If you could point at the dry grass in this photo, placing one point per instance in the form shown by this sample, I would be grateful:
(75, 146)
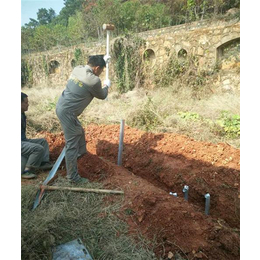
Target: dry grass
(138, 107)
(64, 216)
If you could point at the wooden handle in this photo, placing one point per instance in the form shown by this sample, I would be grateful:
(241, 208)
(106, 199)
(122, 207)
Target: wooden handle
(45, 187)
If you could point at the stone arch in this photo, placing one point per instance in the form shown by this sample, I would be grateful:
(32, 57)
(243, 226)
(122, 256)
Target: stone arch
(149, 55)
(228, 54)
(224, 44)
(54, 67)
(182, 54)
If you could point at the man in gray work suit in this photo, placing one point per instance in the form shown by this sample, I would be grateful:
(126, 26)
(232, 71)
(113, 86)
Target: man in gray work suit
(34, 152)
(83, 85)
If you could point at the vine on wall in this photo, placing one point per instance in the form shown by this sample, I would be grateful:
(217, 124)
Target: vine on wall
(79, 57)
(128, 62)
(26, 74)
(45, 66)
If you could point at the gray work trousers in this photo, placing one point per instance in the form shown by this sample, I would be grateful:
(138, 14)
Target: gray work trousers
(75, 142)
(34, 152)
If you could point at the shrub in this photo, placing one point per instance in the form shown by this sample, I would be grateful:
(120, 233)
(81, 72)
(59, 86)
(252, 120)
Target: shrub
(128, 62)
(146, 118)
(230, 124)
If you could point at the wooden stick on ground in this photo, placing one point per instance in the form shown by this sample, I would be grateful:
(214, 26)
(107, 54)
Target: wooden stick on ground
(45, 187)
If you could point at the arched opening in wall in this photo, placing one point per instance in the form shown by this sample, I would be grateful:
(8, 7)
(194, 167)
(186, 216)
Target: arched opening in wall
(149, 56)
(73, 63)
(54, 67)
(228, 53)
(182, 54)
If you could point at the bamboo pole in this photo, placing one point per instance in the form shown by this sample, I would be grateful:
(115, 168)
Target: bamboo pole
(46, 187)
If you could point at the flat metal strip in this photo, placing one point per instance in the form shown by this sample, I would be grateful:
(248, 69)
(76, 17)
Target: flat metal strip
(52, 173)
(74, 250)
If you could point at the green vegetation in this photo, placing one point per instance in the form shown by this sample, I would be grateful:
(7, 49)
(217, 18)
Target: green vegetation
(230, 124)
(80, 21)
(189, 115)
(145, 118)
(65, 216)
(45, 66)
(26, 73)
(128, 62)
(79, 57)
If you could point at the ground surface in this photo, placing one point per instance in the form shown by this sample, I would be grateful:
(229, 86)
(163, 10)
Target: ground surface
(155, 164)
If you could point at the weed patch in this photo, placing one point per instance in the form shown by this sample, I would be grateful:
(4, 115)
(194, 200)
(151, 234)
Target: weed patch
(230, 124)
(147, 118)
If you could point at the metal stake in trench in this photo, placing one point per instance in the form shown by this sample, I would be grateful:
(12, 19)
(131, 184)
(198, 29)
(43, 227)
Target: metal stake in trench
(207, 203)
(52, 173)
(186, 191)
(121, 142)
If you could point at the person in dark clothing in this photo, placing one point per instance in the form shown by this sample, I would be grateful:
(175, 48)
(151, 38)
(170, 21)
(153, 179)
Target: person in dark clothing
(35, 152)
(83, 85)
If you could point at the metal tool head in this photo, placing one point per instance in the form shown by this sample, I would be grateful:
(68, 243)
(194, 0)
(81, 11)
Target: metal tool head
(108, 27)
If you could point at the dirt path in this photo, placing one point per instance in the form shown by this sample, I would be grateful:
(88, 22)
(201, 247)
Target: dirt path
(154, 165)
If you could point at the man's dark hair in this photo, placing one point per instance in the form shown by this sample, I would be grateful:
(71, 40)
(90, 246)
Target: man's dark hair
(23, 96)
(97, 60)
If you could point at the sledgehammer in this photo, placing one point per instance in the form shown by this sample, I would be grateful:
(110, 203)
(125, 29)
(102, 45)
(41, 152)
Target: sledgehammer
(108, 28)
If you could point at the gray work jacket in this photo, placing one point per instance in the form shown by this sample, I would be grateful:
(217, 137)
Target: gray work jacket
(82, 86)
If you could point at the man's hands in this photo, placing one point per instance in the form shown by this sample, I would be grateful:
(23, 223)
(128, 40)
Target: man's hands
(107, 83)
(107, 58)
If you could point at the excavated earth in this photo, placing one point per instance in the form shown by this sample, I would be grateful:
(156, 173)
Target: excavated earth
(154, 165)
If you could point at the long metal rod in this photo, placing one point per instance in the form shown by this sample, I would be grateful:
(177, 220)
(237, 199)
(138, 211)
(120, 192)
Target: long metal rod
(121, 142)
(107, 64)
(52, 173)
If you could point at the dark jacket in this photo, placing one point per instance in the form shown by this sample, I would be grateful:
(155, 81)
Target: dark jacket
(23, 127)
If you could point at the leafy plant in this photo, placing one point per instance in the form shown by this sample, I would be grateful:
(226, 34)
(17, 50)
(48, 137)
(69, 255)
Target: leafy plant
(78, 57)
(189, 115)
(165, 76)
(51, 105)
(146, 118)
(230, 124)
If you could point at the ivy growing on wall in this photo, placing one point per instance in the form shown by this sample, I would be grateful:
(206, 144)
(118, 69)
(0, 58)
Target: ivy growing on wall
(128, 69)
(26, 74)
(45, 66)
(79, 57)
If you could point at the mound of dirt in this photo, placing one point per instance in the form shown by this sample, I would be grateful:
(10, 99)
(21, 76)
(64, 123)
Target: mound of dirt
(155, 164)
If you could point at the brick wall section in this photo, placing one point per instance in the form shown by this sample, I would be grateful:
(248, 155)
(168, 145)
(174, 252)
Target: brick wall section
(200, 39)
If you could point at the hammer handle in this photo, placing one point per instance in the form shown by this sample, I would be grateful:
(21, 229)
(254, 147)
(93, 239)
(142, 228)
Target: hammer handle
(46, 187)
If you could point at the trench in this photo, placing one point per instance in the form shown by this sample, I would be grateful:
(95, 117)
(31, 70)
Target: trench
(154, 165)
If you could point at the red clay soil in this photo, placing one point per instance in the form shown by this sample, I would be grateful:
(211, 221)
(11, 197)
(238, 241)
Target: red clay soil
(155, 164)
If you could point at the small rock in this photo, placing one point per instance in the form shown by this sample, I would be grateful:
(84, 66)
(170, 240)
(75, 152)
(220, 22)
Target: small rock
(170, 255)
